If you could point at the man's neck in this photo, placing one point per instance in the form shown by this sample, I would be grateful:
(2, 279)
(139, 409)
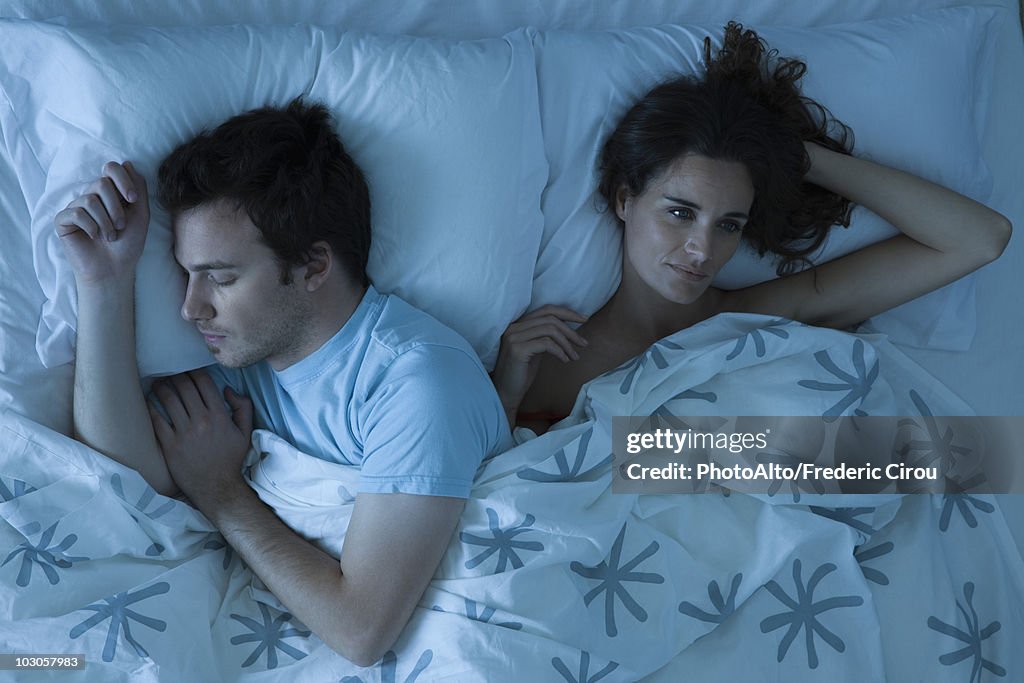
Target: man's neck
(333, 308)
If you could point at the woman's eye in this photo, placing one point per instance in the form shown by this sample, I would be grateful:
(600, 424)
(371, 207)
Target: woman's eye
(220, 283)
(685, 214)
(730, 226)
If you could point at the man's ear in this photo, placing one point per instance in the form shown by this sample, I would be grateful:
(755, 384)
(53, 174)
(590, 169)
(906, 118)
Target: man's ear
(319, 266)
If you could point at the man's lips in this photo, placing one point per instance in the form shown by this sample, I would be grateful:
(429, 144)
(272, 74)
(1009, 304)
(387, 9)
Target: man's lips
(210, 337)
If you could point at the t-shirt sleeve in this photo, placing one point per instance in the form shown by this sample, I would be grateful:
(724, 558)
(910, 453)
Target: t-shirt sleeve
(429, 421)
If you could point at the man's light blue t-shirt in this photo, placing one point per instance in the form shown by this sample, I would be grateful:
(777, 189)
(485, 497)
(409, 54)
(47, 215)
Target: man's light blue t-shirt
(394, 392)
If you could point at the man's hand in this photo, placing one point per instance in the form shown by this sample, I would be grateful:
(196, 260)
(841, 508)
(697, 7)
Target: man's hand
(202, 444)
(104, 229)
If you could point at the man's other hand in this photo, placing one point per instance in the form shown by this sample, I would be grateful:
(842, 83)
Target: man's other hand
(203, 444)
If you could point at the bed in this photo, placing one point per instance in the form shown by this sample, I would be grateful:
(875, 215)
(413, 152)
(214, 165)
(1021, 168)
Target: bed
(657, 592)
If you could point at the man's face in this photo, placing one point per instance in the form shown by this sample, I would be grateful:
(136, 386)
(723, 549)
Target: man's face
(234, 294)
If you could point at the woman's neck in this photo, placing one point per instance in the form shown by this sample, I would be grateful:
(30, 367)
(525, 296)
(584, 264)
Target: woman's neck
(638, 313)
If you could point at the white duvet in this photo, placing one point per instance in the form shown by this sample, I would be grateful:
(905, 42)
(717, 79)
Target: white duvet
(550, 576)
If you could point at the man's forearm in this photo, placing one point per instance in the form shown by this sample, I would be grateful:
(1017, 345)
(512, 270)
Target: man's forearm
(307, 580)
(110, 410)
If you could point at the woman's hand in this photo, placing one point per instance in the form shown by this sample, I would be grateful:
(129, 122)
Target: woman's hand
(545, 330)
(103, 230)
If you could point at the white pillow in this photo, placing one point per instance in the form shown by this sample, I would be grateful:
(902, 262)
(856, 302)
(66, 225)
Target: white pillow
(447, 133)
(914, 89)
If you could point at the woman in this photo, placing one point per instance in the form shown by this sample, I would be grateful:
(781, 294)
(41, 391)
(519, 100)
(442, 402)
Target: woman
(699, 164)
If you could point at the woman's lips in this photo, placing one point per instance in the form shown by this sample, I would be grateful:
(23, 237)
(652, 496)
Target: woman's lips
(688, 273)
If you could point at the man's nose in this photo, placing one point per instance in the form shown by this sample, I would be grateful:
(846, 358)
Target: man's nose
(196, 306)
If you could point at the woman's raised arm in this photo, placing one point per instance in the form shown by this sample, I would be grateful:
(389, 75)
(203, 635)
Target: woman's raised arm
(945, 236)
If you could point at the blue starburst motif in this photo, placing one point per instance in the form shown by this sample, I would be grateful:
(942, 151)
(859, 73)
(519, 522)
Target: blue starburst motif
(633, 367)
(145, 498)
(862, 555)
(723, 606)
(48, 558)
(115, 608)
(502, 541)
(938, 446)
(611, 575)
(18, 488)
(972, 638)
(804, 613)
(269, 635)
(389, 668)
(584, 670)
(567, 472)
(857, 385)
(217, 542)
(847, 516)
(963, 503)
(760, 349)
(483, 616)
(663, 411)
(787, 460)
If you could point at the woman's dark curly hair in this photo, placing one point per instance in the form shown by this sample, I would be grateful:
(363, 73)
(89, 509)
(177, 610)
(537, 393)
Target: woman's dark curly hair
(747, 108)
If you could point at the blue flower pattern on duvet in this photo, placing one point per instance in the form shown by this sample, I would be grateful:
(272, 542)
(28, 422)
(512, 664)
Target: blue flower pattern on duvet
(48, 558)
(857, 384)
(116, 609)
(847, 516)
(804, 612)
(760, 349)
(633, 367)
(787, 460)
(863, 555)
(973, 638)
(18, 488)
(567, 472)
(145, 498)
(269, 635)
(724, 606)
(963, 503)
(502, 541)
(937, 446)
(611, 576)
(484, 616)
(584, 670)
(663, 411)
(389, 668)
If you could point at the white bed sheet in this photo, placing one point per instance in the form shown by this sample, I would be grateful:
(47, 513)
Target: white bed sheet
(989, 377)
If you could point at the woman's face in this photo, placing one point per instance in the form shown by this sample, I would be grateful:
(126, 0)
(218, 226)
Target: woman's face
(685, 226)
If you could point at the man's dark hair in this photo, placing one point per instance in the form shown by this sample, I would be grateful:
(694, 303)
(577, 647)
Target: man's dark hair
(747, 108)
(286, 167)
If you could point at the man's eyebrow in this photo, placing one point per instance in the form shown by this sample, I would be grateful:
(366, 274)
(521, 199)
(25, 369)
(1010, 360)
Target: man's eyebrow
(694, 205)
(212, 265)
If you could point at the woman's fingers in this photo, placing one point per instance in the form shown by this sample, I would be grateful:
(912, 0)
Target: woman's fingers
(558, 311)
(522, 342)
(546, 325)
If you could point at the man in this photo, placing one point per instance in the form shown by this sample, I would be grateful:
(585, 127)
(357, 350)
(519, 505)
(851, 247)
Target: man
(272, 226)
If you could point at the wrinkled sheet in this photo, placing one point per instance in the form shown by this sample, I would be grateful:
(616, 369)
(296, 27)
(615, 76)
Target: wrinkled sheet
(550, 576)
